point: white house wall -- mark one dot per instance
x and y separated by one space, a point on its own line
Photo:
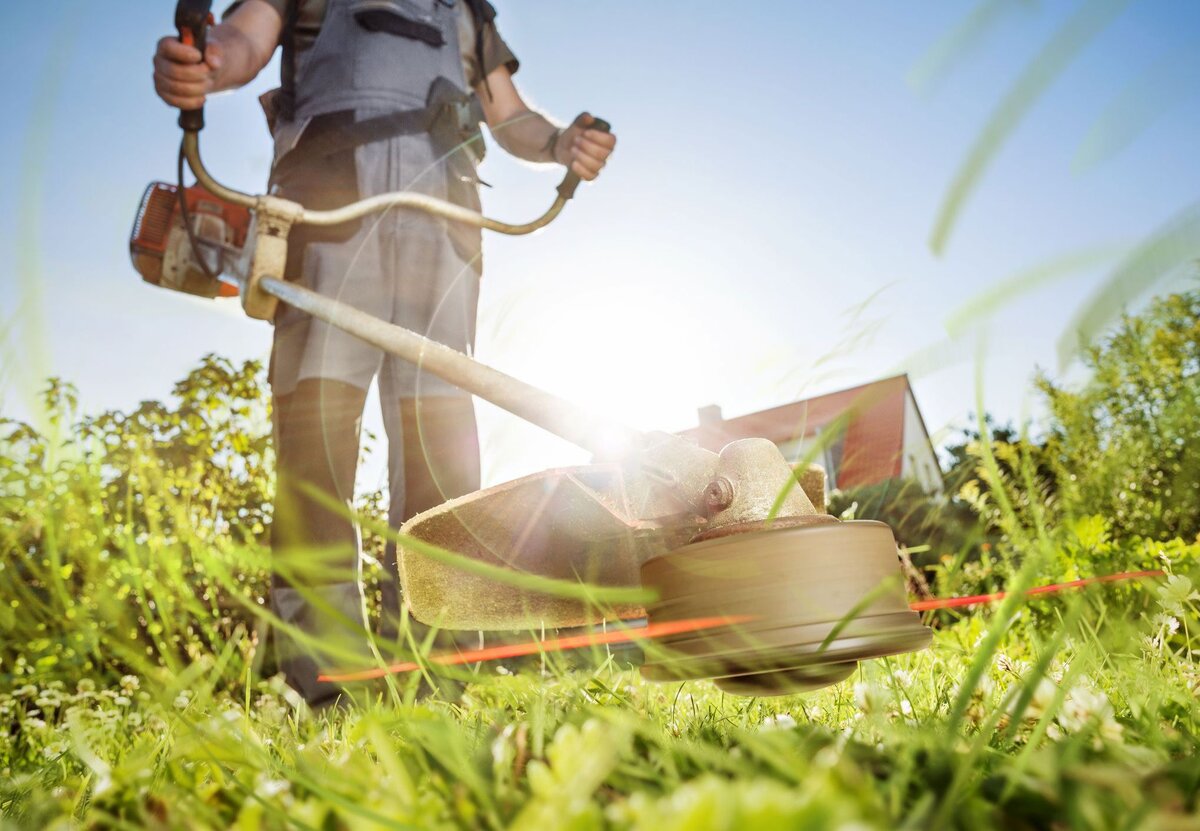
919 461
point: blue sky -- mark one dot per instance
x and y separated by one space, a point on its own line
776 172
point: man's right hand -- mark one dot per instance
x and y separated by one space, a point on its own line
237 49
181 78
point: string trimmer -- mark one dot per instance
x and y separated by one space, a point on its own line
799 596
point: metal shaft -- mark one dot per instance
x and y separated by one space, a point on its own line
557 415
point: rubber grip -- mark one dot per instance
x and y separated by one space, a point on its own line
192 18
570 182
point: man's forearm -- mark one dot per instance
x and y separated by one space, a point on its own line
241 59
247 40
527 135
519 129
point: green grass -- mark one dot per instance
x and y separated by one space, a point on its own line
1085 723
137 691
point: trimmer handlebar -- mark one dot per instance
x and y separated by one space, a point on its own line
401 199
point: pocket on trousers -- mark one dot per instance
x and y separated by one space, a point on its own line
319 183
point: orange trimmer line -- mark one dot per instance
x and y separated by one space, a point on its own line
515 650
676 627
975 600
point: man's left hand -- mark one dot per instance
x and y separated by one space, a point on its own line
582 149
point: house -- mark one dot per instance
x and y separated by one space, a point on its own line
862 435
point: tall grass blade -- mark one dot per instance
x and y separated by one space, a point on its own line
1054 58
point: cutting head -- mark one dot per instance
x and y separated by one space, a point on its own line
805 603
805 596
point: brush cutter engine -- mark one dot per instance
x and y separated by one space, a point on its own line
163 252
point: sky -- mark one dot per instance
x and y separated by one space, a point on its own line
761 234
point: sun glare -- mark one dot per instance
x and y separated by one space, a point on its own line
643 356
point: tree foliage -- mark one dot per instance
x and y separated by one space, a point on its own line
129 537
1125 444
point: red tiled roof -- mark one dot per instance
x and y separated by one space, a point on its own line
874 428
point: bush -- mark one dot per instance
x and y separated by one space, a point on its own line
1124 445
134 540
137 541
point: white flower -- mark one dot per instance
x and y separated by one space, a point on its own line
1084 707
864 696
129 683
500 747
54 749
1042 700
1012 666
780 721
266 787
1170 623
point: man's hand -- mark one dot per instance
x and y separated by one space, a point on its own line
181 78
530 135
237 50
582 149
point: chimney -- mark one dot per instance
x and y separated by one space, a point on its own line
710 416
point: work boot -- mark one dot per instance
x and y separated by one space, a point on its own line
332 615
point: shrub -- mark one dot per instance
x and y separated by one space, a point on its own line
1124 445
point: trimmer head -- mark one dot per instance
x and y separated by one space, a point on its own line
805 603
798 597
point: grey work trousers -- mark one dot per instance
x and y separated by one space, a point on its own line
434 456
412 270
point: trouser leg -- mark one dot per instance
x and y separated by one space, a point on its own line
315 577
433 456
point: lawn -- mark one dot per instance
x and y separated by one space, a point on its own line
138 691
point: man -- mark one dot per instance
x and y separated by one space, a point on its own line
375 97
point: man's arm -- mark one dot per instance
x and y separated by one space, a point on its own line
529 135
238 48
